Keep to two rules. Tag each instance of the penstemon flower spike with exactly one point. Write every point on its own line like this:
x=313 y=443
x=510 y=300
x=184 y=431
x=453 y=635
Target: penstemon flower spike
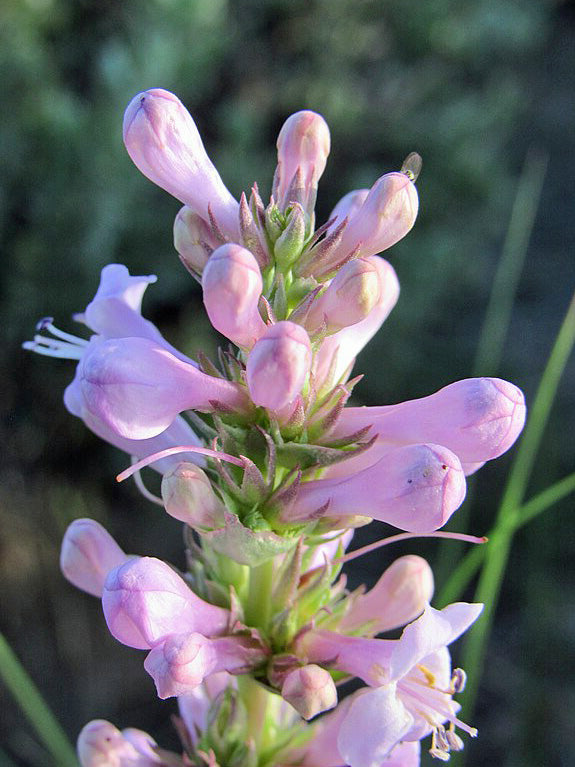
x=270 y=472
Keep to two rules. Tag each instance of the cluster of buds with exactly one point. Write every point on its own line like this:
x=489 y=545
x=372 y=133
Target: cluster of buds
x=270 y=472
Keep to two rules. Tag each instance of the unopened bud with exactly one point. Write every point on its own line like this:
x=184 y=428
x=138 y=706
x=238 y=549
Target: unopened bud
x=188 y=496
x=232 y=286
x=303 y=147
x=347 y=206
x=88 y=554
x=163 y=141
x=387 y=215
x=288 y=246
x=348 y=299
x=193 y=239
x=278 y=365
x=310 y=690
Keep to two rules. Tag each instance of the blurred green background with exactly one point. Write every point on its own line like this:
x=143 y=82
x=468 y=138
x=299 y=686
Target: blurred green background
x=473 y=86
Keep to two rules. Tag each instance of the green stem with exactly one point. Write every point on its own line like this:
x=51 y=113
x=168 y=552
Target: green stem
x=35 y=708
x=255 y=698
x=509 y=518
x=257 y=607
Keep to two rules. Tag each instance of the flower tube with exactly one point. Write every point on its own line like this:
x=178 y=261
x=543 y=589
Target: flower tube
x=145 y=601
x=415 y=488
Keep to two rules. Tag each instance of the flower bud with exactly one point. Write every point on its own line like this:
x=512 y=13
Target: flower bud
x=303 y=147
x=289 y=245
x=339 y=350
x=310 y=690
x=145 y=601
x=88 y=554
x=387 y=215
x=347 y=207
x=163 y=141
x=100 y=744
x=348 y=299
x=188 y=496
x=399 y=596
x=232 y=286
x=278 y=365
x=182 y=661
x=193 y=239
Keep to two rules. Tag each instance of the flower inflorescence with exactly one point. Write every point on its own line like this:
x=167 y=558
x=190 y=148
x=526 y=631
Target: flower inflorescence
x=270 y=471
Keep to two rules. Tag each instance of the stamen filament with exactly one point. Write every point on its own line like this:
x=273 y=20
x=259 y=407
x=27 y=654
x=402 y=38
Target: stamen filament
x=406 y=537
x=174 y=451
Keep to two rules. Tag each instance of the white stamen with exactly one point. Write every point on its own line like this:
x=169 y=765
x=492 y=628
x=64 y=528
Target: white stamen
x=63 y=345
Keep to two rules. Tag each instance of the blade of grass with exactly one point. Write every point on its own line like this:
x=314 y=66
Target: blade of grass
x=35 y=708
x=498 y=315
x=508 y=519
x=510 y=266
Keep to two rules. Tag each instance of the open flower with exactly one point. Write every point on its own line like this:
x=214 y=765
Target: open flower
x=411 y=685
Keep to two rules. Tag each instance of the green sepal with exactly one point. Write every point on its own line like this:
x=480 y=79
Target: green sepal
x=246 y=546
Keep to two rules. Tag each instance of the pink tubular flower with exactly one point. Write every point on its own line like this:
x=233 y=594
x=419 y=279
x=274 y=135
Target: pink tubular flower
x=100 y=744
x=138 y=388
x=181 y=662
x=303 y=147
x=194 y=240
x=278 y=365
x=350 y=297
x=163 y=141
x=188 y=496
x=145 y=601
x=386 y=216
x=415 y=488
x=477 y=418
x=411 y=680
x=399 y=596
x=322 y=750
x=88 y=554
x=338 y=351
x=232 y=286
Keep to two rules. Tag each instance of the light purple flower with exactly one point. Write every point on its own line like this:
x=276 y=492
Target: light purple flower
x=477 y=418
x=88 y=554
x=232 y=286
x=398 y=597
x=310 y=689
x=303 y=147
x=137 y=388
x=412 y=689
x=181 y=662
x=278 y=365
x=338 y=351
x=100 y=744
x=163 y=141
x=386 y=216
x=415 y=488
x=145 y=601
x=349 y=298
x=188 y=495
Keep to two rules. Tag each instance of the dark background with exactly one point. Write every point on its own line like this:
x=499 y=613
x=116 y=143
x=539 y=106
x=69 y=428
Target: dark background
x=473 y=86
